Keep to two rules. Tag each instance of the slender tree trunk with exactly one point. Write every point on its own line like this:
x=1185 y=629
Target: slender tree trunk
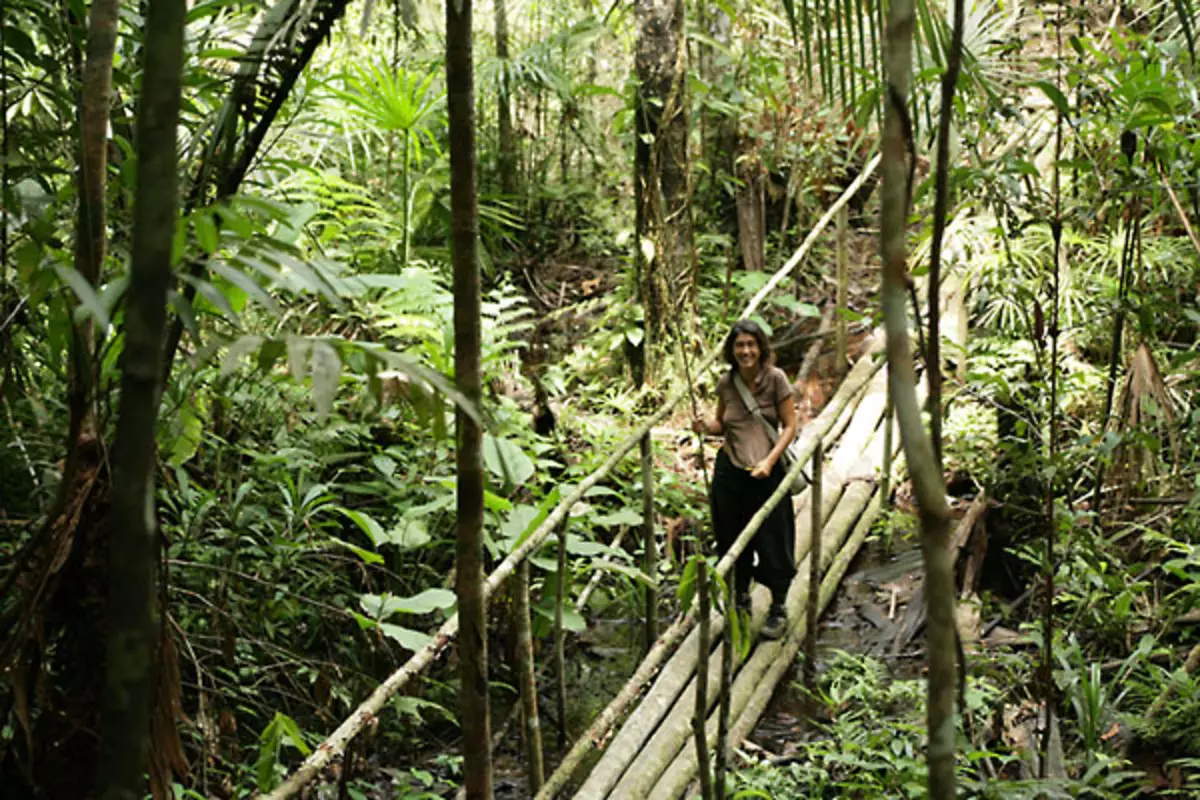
x=560 y=661
x=508 y=142
x=649 y=543
x=897 y=149
x=941 y=210
x=843 y=289
x=406 y=209
x=133 y=598
x=464 y=243
x=533 y=730
x=90 y=235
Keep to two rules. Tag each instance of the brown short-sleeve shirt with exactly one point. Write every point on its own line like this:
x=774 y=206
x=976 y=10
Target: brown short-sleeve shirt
x=746 y=440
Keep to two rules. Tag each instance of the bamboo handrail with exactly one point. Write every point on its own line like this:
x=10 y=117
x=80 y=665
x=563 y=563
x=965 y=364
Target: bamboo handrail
x=335 y=743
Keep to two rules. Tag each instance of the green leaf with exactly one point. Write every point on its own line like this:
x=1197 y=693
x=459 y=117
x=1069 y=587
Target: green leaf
x=366 y=523
x=366 y=555
x=579 y=546
x=1056 y=96
x=408 y=535
x=507 y=461
x=624 y=569
x=85 y=293
x=385 y=464
x=187 y=442
x=239 y=349
x=326 y=368
x=246 y=284
x=206 y=231
x=405 y=637
x=383 y=606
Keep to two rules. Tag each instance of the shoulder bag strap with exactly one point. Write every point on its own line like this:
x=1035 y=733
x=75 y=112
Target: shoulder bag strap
x=752 y=406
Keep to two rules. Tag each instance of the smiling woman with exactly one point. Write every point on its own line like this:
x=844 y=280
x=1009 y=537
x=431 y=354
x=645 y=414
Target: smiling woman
x=753 y=395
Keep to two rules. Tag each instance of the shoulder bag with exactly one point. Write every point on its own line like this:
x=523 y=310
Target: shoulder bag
x=792 y=453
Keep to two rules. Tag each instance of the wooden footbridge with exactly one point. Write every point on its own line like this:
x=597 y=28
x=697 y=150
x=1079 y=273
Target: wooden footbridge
x=652 y=753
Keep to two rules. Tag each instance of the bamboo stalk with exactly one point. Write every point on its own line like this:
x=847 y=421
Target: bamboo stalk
x=700 y=713
x=560 y=662
x=726 y=686
x=814 y=577
x=528 y=677
x=843 y=287
x=649 y=547
x=335 y=744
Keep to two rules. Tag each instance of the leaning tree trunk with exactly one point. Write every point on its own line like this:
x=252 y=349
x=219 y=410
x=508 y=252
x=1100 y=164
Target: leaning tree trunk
x=897 y=150
x=464 y=237
x=133 y=601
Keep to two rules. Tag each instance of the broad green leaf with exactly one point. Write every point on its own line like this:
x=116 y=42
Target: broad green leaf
x=326 y=366
x=507 y=461
x=1056 y=96
x=187 y=442
x=85 y=293
x=383 y=606
x=367 y=524
x=405 y=637
x=385 y=464
x=579 y=546
x=246 y=284
x=238 y=349
x=206 y=231
x=366 y=555
x=626 y=570
x=408 y=535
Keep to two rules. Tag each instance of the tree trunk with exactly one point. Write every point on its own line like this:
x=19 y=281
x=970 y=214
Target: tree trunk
x=133 y=600
x=661 y=184
x=464 y=236
x=533 y=729
x=90 y=235
x=508 y=143
x=897 y=148
x=941 y=210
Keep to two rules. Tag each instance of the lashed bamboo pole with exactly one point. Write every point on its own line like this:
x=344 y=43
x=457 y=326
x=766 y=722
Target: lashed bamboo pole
x=663 y=695
x=654 y=756
x=863 y=371
x=700 y=707
x=335 y=744
x=723 y=703
x=853 y=501
x=680 y=763
x=528 y=676
x=657 y=755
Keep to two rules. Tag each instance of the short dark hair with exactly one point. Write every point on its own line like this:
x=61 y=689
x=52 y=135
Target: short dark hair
x=765 y=354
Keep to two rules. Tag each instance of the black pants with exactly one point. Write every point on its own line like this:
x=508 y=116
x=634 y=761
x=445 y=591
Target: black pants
x=736 y=497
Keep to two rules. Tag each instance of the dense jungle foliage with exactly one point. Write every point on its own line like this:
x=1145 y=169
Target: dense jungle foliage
x=304 y=498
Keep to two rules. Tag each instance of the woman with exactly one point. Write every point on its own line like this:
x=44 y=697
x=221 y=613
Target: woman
x=748 y=471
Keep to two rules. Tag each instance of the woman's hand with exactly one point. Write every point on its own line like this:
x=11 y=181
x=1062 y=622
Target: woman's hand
x=762 y=469
x=699 y=425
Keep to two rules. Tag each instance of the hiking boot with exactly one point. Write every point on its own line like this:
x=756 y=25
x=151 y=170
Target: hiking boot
x=776 y=624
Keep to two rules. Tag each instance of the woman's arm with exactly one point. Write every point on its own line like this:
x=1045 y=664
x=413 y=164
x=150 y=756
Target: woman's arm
x=786 y=408
x=713 y=427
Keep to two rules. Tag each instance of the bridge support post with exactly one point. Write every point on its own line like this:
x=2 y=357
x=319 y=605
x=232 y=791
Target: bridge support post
x=814 y=574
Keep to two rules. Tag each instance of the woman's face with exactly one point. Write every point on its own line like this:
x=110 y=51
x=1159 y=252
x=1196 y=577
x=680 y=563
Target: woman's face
x=746 y=351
